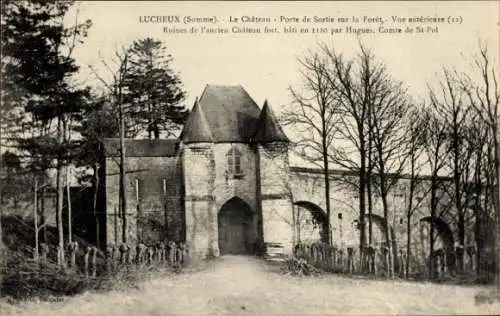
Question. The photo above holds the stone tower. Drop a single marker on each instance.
(275, 194)
(198, 171)
(221, 173)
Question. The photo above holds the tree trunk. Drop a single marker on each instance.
(497, 200)
(96, 195)
(369, 173)
(433, 217)
(60, 193)
(458, 202)
(409, 214)
(123, 199)
(294, 226)
(68, 197)
(2, 247)
(408, 245)
(42, 215)
(35, 219)
(298, 225)
(362, 207)
(478, 214)
(326, 175)
(370, 207)
(388, 236)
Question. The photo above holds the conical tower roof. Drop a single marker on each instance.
(268, 128)
(196, 128)
(223, 114)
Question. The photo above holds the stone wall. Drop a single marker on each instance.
(198, 166)
(276, 196)
(154, 191)
(208, 186)
(307, 186)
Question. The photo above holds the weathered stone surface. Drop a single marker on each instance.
(154, 199)
(179, 198)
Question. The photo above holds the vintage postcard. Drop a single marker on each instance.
(250, 158)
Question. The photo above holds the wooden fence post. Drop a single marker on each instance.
(142, 254)
(340, 259)
(59, 255)
(162, 252)
(438, 264)
(44, 248)
(130, 255)
(403, 263)
(350, 259)
(94, 262)
(172, 253)
(471, 251)
(179, 255)
(86, 261)
(123, 253)
(185, 255)
(72, 248)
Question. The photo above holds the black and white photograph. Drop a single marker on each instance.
(249, 158)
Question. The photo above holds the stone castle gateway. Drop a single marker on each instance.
(226, 187)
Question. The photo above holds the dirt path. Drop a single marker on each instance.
(247, 286)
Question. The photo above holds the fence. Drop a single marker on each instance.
(90, 261)
(375, 261)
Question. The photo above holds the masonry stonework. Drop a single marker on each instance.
(199, 200)
(226, 186)
(276, 196)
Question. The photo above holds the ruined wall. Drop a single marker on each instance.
(309, 186)
(154, 200)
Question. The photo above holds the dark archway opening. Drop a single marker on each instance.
(318, 216)
(378, 222)
(235, 223)
(443, 232)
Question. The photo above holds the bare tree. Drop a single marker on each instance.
(484, 97)
(345, 79)
(478, 177)
(415, 148)
(313, 114)
(450, 105)
(371, 106)
(116, 91)
(436, 155)
(390, 106)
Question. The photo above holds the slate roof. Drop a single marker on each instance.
(229, 114)
(196, 128)
(141, 147)
(268, 129)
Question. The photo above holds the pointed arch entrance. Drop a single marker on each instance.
(235, 225)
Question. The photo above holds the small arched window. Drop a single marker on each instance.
(234, 162)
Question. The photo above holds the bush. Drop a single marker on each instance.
(23, 279)
(296, 266)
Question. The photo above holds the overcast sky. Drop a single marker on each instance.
(266, 64)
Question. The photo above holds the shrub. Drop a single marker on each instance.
(296, 266)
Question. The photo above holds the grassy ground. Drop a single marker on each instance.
(248, 286)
